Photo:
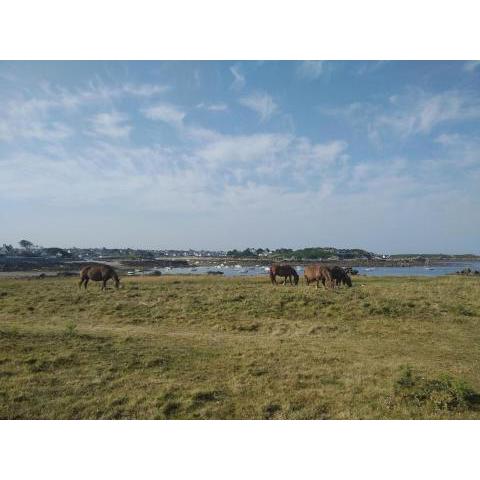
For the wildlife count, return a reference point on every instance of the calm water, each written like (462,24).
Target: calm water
(369,271)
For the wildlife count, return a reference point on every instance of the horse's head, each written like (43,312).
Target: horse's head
(295,277)
(117,283)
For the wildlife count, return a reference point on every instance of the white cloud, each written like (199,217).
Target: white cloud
(462,151)
(213,107)
(238,149)
(112,124)
(167,113)
(261,103)
(29,119)
(143,89)
(421,113)
(311,69)
(98,92)
(38,116)
(238,78)
(415,112)
(274,159)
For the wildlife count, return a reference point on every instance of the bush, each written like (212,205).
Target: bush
(443,393)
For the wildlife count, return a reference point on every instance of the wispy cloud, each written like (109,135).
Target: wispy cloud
(99,91)
(37,116)
(29,119)
(238,77)
(143,89)
(113,124)
(415,112)
(261,103)
(463,151)
(213,107)
(311,69)
(165,112)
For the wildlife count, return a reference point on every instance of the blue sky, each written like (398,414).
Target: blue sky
(377,155)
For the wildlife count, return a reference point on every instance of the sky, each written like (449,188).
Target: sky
(383,156)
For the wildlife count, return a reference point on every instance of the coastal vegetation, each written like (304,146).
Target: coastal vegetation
(211,347)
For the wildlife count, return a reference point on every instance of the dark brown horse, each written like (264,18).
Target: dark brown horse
(339,276)
(285,271)
(318,273)
(98,273)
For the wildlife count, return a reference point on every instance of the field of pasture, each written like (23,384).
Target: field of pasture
(196,347)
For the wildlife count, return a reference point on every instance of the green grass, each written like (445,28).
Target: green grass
(203,347)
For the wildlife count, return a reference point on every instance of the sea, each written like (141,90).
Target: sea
(239,270)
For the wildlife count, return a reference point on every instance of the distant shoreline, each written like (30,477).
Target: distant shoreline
(69,268)
(37,265)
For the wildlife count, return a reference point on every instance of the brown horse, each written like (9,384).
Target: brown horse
(98,273)
(339,275)
(318,273)
(285,271)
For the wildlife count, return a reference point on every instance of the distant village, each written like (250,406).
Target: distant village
(87,254)
(28,250)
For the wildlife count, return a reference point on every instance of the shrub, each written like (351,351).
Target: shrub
(443,393)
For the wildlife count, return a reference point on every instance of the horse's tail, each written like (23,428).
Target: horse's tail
(272,275)
(328,277)
(295,276)
(116,279)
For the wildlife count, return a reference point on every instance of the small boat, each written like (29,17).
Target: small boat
(238,266)
(130,273)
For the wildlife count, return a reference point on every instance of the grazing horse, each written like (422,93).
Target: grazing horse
(340,275)
(98,273)
(318,273)
(285,271)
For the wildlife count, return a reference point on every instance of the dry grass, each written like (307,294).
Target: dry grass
(203,347)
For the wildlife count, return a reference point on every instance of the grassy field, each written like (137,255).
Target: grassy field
(201,347)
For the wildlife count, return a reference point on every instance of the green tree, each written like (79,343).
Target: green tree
(25,244)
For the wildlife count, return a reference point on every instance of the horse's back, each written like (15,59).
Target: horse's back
(316,272)
(311,271)
(282,270)
(97,272)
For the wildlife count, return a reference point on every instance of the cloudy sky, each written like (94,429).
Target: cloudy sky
(377,155)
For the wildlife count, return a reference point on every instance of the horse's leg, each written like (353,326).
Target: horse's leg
(104,285)
(285,281)
(86,282)
(80,283)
